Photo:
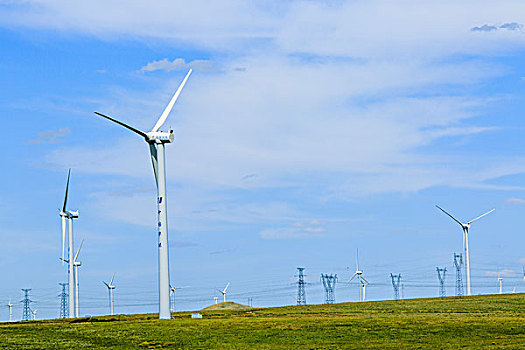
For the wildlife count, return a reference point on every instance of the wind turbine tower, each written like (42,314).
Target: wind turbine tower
(329,282)
(500,280)
(395,284)
(110,287)
(216,298)
(157,140)
(466,227)
(458,264)
(223,292)
(10,306)
(33,312)
(441,277)
(69,216)
(361,279)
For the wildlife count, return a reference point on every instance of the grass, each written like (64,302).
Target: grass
(478,322)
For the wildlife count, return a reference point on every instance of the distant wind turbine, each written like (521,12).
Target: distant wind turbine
(76,265)
(216,298)
(10,306)
(110,290)
(500,280)
(223,292)
(69,215)
(34,314)
(156,140)
(465,228)
(362,281)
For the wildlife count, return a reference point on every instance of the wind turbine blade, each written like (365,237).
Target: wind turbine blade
(153,151)
(463,242)
(226,287)
(64,260)
(453,218)
(112,278)
(63,238)
(351,278)
(105,284)
(479,217)
(78,251)
(67,190)
(167,111)
(141,133)
(364,279)
(357,259)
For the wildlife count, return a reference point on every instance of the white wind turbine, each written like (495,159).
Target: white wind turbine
(223,292)
(156,140)
(10,306)
(216,298)
(500,280)
(362,281)
(76,265)
(172,290)
(465,228)
(69,215)
(110,290)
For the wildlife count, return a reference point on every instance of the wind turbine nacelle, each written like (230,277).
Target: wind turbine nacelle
(161,136)
(73,214)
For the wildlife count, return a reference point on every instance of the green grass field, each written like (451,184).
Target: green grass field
(479,322)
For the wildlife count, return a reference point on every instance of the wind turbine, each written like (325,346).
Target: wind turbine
(34,314)
(69,215)
(110,290)
(172,290)
(10,306)
(216,299)
(500,280)
(76,265)
(465,228)
(223,292)
(156,140)
(362,281)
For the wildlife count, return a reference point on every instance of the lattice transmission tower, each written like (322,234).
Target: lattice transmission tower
(26,312)
(396,279)
(64,310)
(329,282)
(458,264)
(441,277)
(301,294)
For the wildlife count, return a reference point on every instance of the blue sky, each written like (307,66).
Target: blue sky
(307,130)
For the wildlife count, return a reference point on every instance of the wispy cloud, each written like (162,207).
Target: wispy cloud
(50,136)
(515,201)
(502,273)
(302,229)
(512,26)
(179,64)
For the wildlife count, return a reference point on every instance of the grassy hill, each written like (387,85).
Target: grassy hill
(478,322)
(227,305)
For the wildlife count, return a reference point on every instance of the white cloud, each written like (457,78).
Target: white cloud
(179,64)
(516,201)
(303,229)
(502,273)
(345,28)
(50,136)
